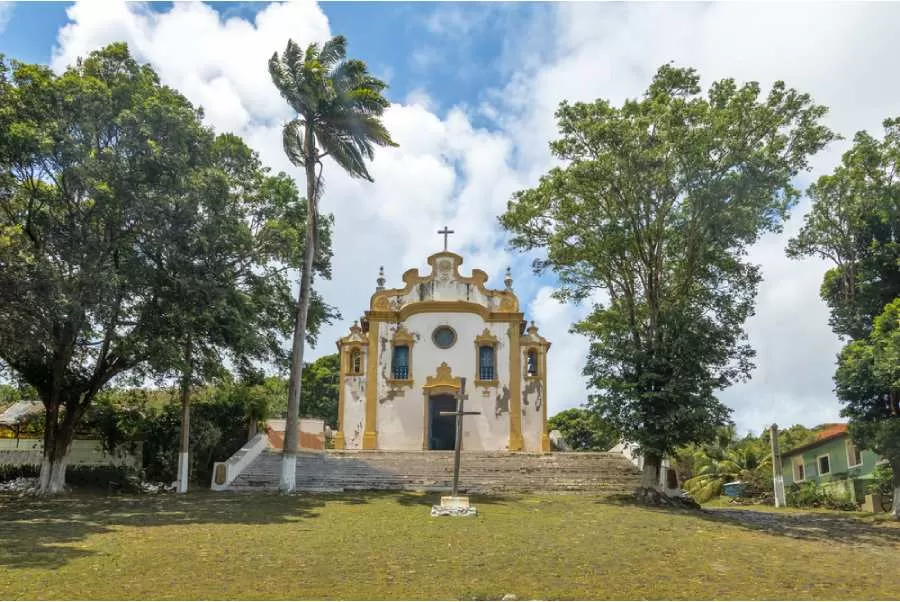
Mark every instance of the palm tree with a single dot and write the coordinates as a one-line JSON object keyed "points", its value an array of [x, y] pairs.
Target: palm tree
{"points": [[339, 107], [713, 471]]}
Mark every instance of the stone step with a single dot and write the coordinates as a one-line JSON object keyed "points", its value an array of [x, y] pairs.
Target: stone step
{"points": [[482, 472]]}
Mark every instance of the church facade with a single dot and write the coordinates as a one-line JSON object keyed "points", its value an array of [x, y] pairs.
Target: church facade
{"points": [[403, 365]]}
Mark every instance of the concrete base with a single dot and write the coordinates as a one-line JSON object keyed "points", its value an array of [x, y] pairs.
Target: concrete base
{"points": [[453, 506], [872, 503]]}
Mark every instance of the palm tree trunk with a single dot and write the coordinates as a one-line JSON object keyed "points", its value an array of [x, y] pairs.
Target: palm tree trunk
{"points": [[184, 453], [289, 455]]}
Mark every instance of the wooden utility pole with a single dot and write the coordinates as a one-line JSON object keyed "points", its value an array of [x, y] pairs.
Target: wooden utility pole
{"points": [[777, 476]]}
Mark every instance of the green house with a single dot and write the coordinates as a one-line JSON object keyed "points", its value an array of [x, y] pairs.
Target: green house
{"points": [[832, 462]]}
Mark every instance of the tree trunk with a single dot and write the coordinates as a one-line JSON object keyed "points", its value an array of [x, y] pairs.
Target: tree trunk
{"points": [[650, 471], [895, 511], [289, 453], [184, 456], [57, 445]]}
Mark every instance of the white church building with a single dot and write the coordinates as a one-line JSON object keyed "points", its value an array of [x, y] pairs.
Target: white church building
{"points": [[402, 364]]}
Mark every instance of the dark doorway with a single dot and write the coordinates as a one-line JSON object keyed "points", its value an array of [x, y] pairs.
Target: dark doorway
{"points": [[441, 429]]}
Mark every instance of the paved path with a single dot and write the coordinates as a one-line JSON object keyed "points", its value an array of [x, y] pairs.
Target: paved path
{"points": [[815, 526]]}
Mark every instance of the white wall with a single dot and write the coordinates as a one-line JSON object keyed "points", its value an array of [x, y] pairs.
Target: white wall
{"points": [[532, 412], [354, 409], [84, 452], [400, 413]]}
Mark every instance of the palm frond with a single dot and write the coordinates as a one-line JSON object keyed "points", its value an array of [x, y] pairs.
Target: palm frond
{"points": [[344, 149], [312, 53], [362, 126], [337, 98], [288, 74], [333, 51], [292, 139]]}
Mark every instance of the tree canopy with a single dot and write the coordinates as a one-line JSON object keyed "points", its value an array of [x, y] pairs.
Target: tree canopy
{"points": [[655, 206], [855, 224], [583, 430], [130, 232]]}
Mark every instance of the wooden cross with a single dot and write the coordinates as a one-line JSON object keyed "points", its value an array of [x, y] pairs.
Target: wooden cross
{"points": [[445, 232], [459, 413]]}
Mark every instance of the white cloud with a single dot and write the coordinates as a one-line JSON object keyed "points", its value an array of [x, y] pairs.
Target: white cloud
{"points": [[837, 52], [421, 98], [448, 172], [6, 12]]}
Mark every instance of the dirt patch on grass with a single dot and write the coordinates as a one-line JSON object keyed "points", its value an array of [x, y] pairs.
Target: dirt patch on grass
{"points": [[813, 526]]}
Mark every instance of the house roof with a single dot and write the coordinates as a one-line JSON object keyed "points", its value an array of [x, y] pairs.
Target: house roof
{"points": [[829, 433], [19, 411]]}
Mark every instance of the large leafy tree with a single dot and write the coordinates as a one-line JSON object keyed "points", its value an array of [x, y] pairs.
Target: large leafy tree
{"points": [[320, 391], [338, 107], [583, 430], [855, 224], [656, 205], [224, 294], [123, 237]]}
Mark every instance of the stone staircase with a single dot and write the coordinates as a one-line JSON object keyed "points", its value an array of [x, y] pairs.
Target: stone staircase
{"points": [[480, 472]]}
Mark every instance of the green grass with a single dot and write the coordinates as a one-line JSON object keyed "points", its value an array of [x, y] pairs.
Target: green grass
{"points": [[386, 546]]}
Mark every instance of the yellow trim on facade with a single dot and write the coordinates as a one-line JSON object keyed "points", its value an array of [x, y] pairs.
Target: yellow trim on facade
{"points": [[346, 345], [486, 338], [370, 431], [507, 300], [354, 350], [545, 430], [515, 390], [420, 307], [442, 383], [540, 346], [402, 337]]}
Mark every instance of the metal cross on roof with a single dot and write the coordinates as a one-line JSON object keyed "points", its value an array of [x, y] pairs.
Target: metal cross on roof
{"points": [[445, 232]]}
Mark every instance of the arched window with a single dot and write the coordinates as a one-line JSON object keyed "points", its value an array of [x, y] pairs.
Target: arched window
{"points": [[531, 363], [400, 362], [355, 362], [486, 362]]}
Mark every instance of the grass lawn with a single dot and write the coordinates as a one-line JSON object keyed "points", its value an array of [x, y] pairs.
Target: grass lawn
{"points": [[386, 546]]}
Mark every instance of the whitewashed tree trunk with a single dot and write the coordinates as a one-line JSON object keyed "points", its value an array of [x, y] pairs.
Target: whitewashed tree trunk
{"points": [[895, 510], [288, 481], [184, 455], [53, 473]]}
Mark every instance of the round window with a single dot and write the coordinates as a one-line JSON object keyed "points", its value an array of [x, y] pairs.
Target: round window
{"points": [[444, 337]]}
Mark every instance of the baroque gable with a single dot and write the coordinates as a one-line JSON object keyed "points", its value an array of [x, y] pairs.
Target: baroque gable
{"points": [[444, 288]]}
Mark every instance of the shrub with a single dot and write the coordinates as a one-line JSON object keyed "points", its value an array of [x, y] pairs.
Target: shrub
{"points": [[882, 479], [218, 429], [807, 495], [10, 472]]}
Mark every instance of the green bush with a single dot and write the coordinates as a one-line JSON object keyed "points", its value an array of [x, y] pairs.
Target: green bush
{"points": [[93, 477], [10, 472], [100, 477], [807, 495], [218, 429], [882, 479]]}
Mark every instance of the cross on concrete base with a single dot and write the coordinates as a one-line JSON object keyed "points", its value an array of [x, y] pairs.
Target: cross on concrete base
{"points": [[459, 413]]}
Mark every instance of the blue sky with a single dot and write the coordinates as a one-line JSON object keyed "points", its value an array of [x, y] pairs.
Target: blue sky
{"points": [[474, 88], [455, 70]]}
